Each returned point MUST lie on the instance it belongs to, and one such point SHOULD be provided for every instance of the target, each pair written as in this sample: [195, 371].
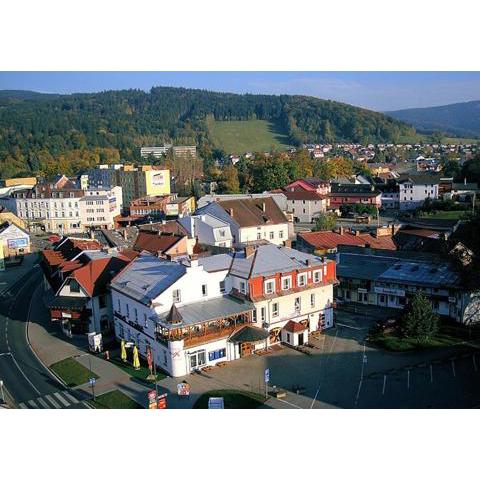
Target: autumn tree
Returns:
[229, 182]
[325, 221]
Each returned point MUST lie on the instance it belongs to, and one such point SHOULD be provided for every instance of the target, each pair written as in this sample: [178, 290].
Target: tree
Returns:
[420, 320]
[229, 182]
[325, 221]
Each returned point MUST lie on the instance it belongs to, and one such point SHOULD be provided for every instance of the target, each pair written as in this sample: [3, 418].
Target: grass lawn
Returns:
[240, 136]
[72, 372]
[232, 399]
[427, 139]
[447, 336]
[141, 374]
[115, 399]
[446, 215]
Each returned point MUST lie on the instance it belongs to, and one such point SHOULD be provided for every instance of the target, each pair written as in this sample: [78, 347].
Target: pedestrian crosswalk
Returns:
[62, 399]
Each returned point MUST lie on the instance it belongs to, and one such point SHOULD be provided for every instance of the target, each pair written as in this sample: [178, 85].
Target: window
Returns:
[262, 314]
[317, 276]
[259, 236]
[286, 283]
[298, 304]
[204, 290]
[145, 320]
[269, 287]
[288, 337]
[275, 309]
[216, 354]
[177, 297]
[280, 234]
[312, 300]
[165, 360]
[119, 306]
[222, 286]
[136, 315]
[128, 309]
[302, 280]
[102, 301]
[272, 235]
[197, 359]
[243, 287]
[74, 286]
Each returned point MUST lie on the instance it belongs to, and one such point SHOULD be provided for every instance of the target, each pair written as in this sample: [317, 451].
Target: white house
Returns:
[415, 189]
[208, 230]
[99, 207]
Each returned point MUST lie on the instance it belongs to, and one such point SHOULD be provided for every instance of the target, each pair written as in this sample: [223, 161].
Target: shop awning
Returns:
[248, 334]
[68, 303]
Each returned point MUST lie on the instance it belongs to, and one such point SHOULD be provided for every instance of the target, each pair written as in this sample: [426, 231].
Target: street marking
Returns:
[43, 403]
[32, 404]
[288, 403]
[350, 326]
[453, 368]
[70, 397]
[431, 373]
[52, 401]
[67, 404]
[474, 362]
[361, 377]
[26, 378]
[384, 384]
[408, 379]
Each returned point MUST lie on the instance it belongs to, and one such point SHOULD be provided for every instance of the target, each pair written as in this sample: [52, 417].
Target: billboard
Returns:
[17, 242]
[158, 179]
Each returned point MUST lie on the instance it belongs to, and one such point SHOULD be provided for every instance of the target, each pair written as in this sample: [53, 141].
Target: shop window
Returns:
[216, 354]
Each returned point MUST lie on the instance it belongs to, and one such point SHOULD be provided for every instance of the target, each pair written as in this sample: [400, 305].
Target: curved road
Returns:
[26, 379]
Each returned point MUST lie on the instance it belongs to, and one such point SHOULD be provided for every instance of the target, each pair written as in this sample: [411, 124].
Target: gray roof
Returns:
[200, 312]
[364, 267]
[270, 259]
[147, 276]
[393, 269]
[214, 263]
[248, 333]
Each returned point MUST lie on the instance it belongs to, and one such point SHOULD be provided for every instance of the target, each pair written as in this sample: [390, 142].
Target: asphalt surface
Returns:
[26, 379]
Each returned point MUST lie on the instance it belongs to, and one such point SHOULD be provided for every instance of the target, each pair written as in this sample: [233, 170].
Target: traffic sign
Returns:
[267, 375]
[91, 381]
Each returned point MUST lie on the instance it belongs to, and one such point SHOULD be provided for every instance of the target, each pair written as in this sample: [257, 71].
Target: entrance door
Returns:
[300, 338]
[246, 349]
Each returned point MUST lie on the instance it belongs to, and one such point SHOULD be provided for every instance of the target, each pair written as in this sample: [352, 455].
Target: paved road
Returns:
[26, 379]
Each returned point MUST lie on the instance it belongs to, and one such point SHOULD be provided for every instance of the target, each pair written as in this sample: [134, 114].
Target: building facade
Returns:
[415, 189]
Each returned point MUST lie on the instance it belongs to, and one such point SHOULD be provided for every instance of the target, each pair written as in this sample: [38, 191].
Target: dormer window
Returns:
[302, 279]
[269, 287]
[317, 276]
[286, 283]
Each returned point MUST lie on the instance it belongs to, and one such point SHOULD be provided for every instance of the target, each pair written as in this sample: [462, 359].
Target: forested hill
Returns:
[44, 133]
[460, 119]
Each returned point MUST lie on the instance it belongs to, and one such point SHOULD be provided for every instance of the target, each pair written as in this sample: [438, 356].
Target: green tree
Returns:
[325, 221]
[420, 320]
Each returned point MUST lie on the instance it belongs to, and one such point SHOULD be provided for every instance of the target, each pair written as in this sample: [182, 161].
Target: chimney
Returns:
[230, 212]
[357, 233]
[124, 233]
[249, 250]
[341, 231]
[92, 236]
[263, 206]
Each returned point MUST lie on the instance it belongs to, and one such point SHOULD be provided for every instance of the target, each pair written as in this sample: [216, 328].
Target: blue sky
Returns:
[375, 90]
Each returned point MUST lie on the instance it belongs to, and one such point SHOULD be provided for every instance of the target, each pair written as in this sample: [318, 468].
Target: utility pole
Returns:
[1, 391]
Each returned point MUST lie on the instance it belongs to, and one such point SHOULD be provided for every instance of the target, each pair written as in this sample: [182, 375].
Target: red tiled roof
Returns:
[294, 327]
[94, 276]
[154, 243]
[329, 240]
[254, 211]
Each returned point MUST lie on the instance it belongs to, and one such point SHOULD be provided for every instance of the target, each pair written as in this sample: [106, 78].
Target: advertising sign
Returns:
[183, 389]
[158, 180]
[267, 375]
[152, 398]
[162, 401]
[17, 242]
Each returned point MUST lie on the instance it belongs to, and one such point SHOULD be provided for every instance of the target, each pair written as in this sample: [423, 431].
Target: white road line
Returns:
[52, 401]
[431, 373]
[22, 405]
[288, 403]
[70, 397]
[361, 377]
[67, 404]
[26, 378]
[474, 362]
[453, 368]
[32, 404]
[384, 384]
[408, 379]
[43, 403]
[324, 364]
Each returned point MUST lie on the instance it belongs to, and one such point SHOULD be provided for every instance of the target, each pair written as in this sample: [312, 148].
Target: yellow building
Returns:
[6, 216]
[11, 182]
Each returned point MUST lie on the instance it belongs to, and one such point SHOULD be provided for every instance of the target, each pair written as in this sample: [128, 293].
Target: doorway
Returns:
[246, 349]
[300, 338]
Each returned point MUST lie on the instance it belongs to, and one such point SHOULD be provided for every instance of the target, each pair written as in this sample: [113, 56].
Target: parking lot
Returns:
[344, 372]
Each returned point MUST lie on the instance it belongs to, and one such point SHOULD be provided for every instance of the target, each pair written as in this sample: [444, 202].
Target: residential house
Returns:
[14, 241]
[167, 245]
[208, 230]
[251, 220]
[354, 194]
[414, 189]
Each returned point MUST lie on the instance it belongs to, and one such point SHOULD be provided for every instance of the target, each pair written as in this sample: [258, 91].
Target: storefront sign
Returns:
[17, 242]
[183, 389]
[162, 401]
[390, 291]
